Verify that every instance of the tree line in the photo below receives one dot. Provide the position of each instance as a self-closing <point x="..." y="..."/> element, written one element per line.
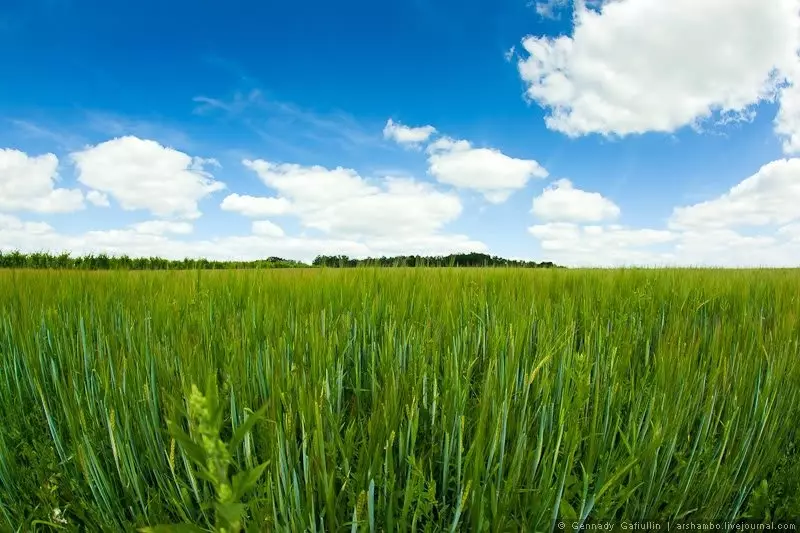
<point x="452" y="260"/>
<point x="123" y="262"/>
<point x="43" y="260"/>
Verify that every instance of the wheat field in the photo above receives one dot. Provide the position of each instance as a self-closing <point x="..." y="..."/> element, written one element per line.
<point x="427" y="399"/>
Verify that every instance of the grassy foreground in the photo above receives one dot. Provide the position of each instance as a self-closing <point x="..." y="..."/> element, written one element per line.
<point x="403" y="399"/>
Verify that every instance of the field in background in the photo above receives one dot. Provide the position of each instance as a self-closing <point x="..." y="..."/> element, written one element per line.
<point x="438" y="399"/>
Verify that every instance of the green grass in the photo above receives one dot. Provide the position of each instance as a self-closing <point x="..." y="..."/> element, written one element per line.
<point x="403" y="399"/>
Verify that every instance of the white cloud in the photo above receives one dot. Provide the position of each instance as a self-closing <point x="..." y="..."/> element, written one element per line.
<point x="648" y="65"/>
<point x="98" y="198"/>
<point x="787" y="122"/>
<point x="770" y="196"/>
<point x="431" y="244"/>
<point x="265" y="228"/>
<point x="16" y="234"/>
<point x="790" y="232"/>
<point x="160" y="227"/>
<point x="356" y="216"/>
<point x="27" y="183"/>
<point x="572" y="245"/>
<point x="713" y="242"/>
<point x="339" y="202"/>
<point x="728" y="248"/>
<point x="10" y="223"/>
<point x="549" y="8"/>
<point x="756" y="223"/>
<point x="37" y="236"/>
<point x="255" y="206"/>
<point x="486" y="170"/>
<point x="135" y="244"/>
<point x="142" y="174"/>
<point x="407" y="135"/>
<point x="569" y="236"/>
<point x="564" y="203"/>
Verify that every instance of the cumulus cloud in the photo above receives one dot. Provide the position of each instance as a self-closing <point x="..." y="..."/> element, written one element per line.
<point x="263" y="242"/>
<point x="354" y="215"/>
<point x="486" y="170"/>
<point x="255" y="206"/>
<point x="712" y="242"/>
<point x="592" y="238"/>
<point x="604" y="246"/>
<point x="160" y="227"/>
<point x="787" y="122"/>
<point x="340" y="202"/>
<point x="457" y="162"/>
<point x="407" y="135"/>
<point x="98" y="198"/>
<point x="27" y="183"/>
<point x="790" y="232"/>
<point x="755" y="223"/>
<point x="33" y="237"/>
<point x="142" y="174"/>
<point x="730" y="248"/>
<point x="10" y="223"/>
<point x="16" y="234"/>
<point x="265" y="228"/>
<point x="770" y="196"/>
<point x="564" y="203"/>
<point x="634" y="66"/>
<point x="549" y="8"/>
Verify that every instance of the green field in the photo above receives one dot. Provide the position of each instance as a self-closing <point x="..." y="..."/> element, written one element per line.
<point x="397" y="399"/>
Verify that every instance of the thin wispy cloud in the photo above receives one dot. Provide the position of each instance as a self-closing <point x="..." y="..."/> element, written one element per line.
<point x="66" y="140"/>
<point x="114" y="125"/>
<point x="266" y="115"/>
<point x="234" y="106"/>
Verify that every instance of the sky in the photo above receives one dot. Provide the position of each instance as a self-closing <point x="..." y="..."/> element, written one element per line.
<point x="587" y="132"/>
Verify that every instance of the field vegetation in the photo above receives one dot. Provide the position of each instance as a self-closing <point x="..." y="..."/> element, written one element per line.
<point x="373" y="399"/>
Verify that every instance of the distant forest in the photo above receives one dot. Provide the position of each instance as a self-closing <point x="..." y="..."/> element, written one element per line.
<point x="122" y="262"/>
<point x="453" y="260"/>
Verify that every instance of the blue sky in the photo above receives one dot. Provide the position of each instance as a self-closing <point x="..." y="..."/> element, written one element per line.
<point x="587" y="133"/>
